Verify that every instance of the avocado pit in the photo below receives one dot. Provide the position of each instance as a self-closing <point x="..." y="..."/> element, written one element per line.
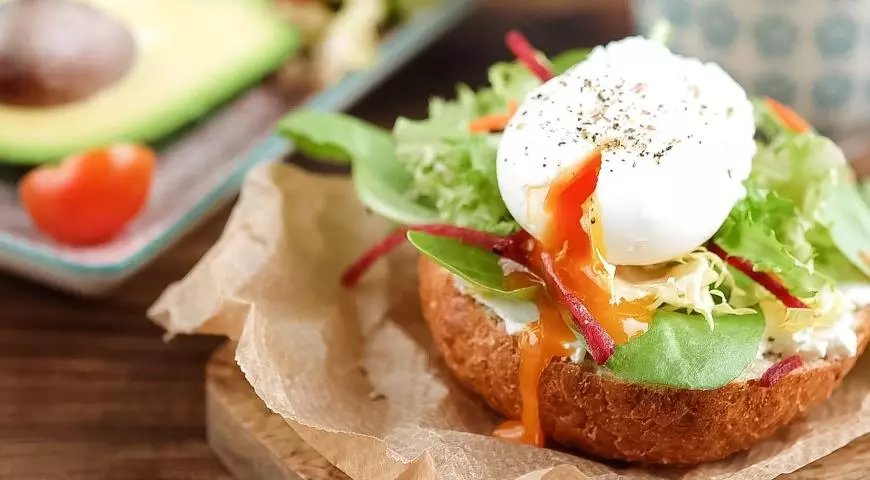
<point x="55" y="52"/>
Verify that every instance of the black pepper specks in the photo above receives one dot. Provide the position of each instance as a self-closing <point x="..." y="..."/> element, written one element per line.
<point x="642" y="117"/>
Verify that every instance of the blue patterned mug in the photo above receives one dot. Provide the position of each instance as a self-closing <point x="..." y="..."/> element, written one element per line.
<point x="811" y="54"/>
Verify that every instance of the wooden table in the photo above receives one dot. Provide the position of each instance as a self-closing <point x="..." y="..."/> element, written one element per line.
<point x="88" y="389"/>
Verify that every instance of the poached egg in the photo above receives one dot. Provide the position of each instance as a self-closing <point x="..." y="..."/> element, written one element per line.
<point x="676" y="139"/>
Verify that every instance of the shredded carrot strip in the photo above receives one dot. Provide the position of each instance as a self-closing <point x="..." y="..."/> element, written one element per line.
<point x="495" y="122"/>
<point x="789" y="117"/>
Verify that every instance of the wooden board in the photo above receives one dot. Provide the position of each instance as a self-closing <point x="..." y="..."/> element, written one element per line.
<point x="255" y="443"/>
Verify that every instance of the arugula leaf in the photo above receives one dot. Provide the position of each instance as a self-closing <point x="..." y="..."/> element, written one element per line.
<point x="679" y="350"/>
<point x="381" y="182"/>
<point x="565" y="60"/>
<point x="479" y="268"/>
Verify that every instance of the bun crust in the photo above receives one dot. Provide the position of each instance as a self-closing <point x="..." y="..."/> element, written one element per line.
<point x="608" y="417"/>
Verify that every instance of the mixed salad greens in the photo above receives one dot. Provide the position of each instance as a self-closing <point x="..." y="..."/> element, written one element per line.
<point x="803" y="222"/>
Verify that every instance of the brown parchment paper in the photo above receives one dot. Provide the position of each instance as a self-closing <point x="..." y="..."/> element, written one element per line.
<point x="355" y="373"/>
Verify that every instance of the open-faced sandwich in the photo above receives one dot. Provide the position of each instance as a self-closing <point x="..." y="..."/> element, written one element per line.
<point x="621" y="251"/>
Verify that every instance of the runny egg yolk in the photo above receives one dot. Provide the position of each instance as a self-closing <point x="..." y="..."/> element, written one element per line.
<point x="578" y="249"/>
<point x="573" y="239"/>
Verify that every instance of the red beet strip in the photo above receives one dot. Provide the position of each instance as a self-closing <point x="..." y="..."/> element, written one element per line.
<point x="780" y="369"/>
<point x="525" y="53"/>
<point x="766" y="280"/>
<point x="599" y="343"/>
<point x="514" y="247"/>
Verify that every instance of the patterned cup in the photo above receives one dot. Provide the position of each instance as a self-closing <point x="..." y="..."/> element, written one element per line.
<point x="811" y="54"/>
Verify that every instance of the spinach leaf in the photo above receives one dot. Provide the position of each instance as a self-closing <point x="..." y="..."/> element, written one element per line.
<point x="680" y="350"/>
<point x="478" y="267"/>
<point x="380" y="180"/>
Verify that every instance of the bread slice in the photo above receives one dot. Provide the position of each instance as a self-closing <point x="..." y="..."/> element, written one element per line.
<point x="612" y="418"/>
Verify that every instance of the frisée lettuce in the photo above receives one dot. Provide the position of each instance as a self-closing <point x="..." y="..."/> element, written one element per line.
<point x="802" y="219"/>
<point x="453" y="169"/>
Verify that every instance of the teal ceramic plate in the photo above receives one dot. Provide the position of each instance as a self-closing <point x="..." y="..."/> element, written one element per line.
<point x="201" y="170"/>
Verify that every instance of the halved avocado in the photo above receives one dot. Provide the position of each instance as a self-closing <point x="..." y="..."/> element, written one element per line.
<point x="191" y="56"/>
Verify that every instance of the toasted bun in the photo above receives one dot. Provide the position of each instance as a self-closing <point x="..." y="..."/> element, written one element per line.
<point x="609" y="417"/>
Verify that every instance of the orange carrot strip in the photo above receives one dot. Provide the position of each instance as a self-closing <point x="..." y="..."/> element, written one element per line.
<point x="789" y="117"/>
<point x="494" y="122"/>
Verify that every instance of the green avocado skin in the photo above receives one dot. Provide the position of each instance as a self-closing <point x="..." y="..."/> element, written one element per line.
<point x="277" y="41"/>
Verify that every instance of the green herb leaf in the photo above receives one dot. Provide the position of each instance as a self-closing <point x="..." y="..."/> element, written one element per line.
<point x="378" y="188"/>
<point x="565" y="60"/>
<point x="380" y="180"/>
<point x="479" y="268"/>
<point x="848" y="220"/>
<point x="335" y="137"/>
<point x="680" y="350"/>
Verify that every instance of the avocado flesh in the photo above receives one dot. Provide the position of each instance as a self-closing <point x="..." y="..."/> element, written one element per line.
<point x="192" y="55"/>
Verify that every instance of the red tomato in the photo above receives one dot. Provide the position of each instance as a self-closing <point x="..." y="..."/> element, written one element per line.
<point x="90" y="197"/>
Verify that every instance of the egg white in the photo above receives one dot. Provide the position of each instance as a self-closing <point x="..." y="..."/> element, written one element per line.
<point x="676" y="138"/>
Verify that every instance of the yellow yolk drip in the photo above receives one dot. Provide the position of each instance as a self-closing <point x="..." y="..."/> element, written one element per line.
<point x="574" y="240"/>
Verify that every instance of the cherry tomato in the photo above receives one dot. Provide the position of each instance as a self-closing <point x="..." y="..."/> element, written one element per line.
<point x="90" y="197"/>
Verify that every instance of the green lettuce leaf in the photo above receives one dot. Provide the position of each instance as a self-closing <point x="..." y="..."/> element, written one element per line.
<point x="454" y="170"/>
<point x="481" y="269"/>
<point x="848" y="220"/>
<point x="832" y="223"/>
<point x="803" y="218"/>
<point x="767" y="230"/>
<point x="681" y="351"/>
<point x="865" y="191"/>
<point x="381" y="182"/>
<point x="767" y="125"/>
<point x="565" y="60"/>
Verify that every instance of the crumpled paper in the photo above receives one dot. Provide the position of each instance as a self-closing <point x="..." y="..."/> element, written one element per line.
<point x="355" y="372"/>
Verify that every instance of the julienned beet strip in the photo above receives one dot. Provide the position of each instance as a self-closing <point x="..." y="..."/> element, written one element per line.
<point x="598" y="342"/>
<point x="526" y="54"/>
<point x="511" y="246"/>
<point x="766" y="280"/>
<point x="780" y="369"/>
